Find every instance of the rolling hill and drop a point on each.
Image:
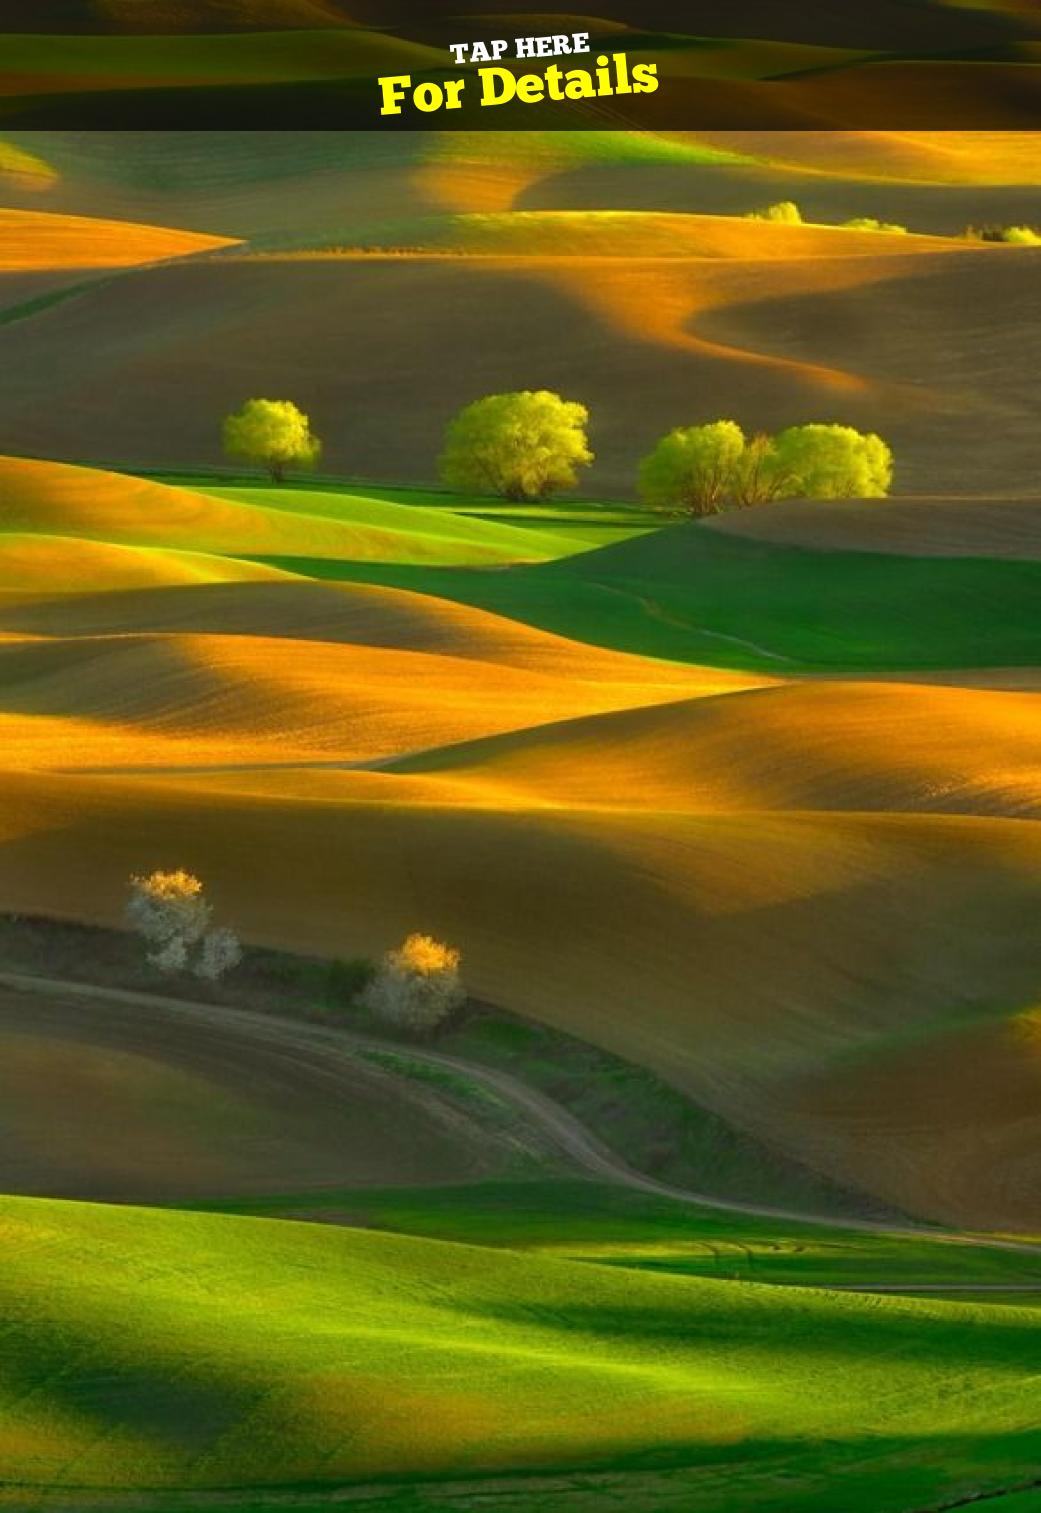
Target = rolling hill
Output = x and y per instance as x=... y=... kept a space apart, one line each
x=735 y=823
x=42 y=241
x=190 y=1351
x=146 y=1104
x=96 y=505
x=777 y=331
x=644 y=831
x=713 y=921
x=921 y=527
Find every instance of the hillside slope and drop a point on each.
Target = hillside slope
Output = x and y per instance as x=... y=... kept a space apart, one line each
x=209 y=1352
x=712 y=922
x=777 y=332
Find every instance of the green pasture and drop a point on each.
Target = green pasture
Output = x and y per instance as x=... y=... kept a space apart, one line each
x=618 y=576
x=422 y=520
x=622 y=1226
x=165 y=1350
x=687 y=594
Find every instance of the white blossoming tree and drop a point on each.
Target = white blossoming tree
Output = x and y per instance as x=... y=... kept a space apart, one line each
x=417 y=987
x=170 y=912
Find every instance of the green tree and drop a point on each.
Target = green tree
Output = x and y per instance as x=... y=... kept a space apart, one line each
x=868 y=223
x=694 y=468
x=272 y=432
x=521 y=446
x=831 y=462
x=760 y=475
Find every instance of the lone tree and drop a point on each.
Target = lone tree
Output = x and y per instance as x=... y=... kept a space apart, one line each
x=170 y=912
x=520 y=446
x=709 y=468
x=417 y=987
x=833 y=462
x=694 y=468
x=272 y=432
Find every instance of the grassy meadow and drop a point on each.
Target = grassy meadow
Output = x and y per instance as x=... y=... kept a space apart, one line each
x=265 y=1352
x=720 y=1192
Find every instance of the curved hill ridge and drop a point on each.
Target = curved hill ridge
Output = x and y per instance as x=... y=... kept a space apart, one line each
x=58 y=499
x=636 y=234
x=843 y=746
x=186 y=700
x=865 y=338
x=41 y=240
x=361 y=614
x=148 y=1105
x=975 y=158
x=32 y=564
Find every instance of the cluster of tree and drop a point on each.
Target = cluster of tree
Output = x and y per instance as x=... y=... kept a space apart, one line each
x=529 y=445
x=787 y=213
x=710 y=468
x=414 y=989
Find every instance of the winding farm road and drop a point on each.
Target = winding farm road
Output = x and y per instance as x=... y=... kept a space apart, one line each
x=557 y=1127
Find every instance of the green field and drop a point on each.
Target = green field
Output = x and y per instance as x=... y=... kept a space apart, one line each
x=624 y=1227
x=690 y=595
x=463 y=534
x=173 y=1350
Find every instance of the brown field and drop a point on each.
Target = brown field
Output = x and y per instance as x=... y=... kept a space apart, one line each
x=150 y=1105
x=755 y=890
x=773 y=339
x=922 y=527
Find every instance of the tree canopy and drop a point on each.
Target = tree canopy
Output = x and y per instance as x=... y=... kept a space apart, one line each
x=272 y=432
x=708 y=468
x=522 y=446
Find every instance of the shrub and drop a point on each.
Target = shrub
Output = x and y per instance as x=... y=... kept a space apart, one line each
x=784 y=213
x=346 y=981
x=1022 y=236
x=170 y=912
x=416 y=988
x=867 y=223
x=520 y=446
x=1016 y=236
x=219 y=952
x=272 y=432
